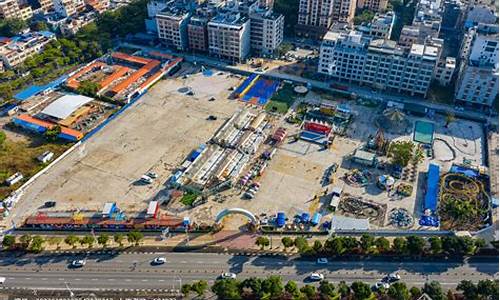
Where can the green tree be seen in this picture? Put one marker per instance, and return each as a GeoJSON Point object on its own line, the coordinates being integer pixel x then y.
{"type": "Point", "coordinates": [3, 137]}
{"type": "Point", "coordinates": [327, 289]}
{"type": "Point", "coordinates": [450, 117]}
{"type": "Point", "coordinates": [40, 26]}
{"type": "Point", "coordinates": [262, 242]}
{"type": "Point", "coordinates": [398, 291]}
{"type": "Point", "coordinates": [118, 238]}
{"type": "Point", "coordinates": [383, 245]}
{"type": "Point", "coordinates": [366, 242]}
{"type": "Point", "coordinates": [317, 246]}
{"type": "Point", "coordinates": [226, 289]}
{"type": "Point", "coordinates": [344, 289]}
{"type": "Point", "coordinates": [25, 240]}
{"type": "Point", "coordinates": [335, 246]}
{"type": "Point", "coordinates": [55, 241]}
{"type": "Point", "coordinates": [488, 289]}
{"type": "Point", "coordinates": [434, 290]}
{"type": "Point", "coordinates": [186, 289]}
{"type": "Point", "coordinates": [8, 241]}
{"type": "Point", "coordinates": [37, 244]}
{"type": "Point", "coordinates": [254, 284]}
{"type": "Point", "coordinates": [292, 288]}
{"type": "Point", "coordinates": [52, 134]}
{"type": "Point", "coordinates": [400, 246]}
{"type": "Point", "coordinates": [71, 240]}
{"type": "Point", "coordinates": [135, 237]}
{"type": "Point", "coordinates": [12, 26]}
{"type": "Point", "coordinates": [309, 291]}
{"type": "Point", "coordinates": [287, 242]}
{"type": "Point", "coordinates": [366, 16]}
{"type": "Point", "coordinates": [401, 152]}
{"type": "Point", "coordinates": [88, 88]}
{"type": "Point", "coordinates": [468, 289]}
{"type": "Point", "coordinates": [88, 240]}
{"type": "Point", "coordinates": [436, 245]}
{"type": "Point", "coordinates": [103, 239]}
{"type": "Point", "coordinates": [199, 287]}
{"type": "Point", "coordinates": [301, 244]}
{"type": "Point", "coordinates": [361, 290]}
{"type": "Point", "coordinates": [415, 245]}
{"type": "Point", "coordinates": [415, 292]}
{"type": "Point", "coordinates": [273, 286]}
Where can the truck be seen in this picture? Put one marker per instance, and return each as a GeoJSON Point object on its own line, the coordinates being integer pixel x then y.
{"type": "Point", "coordinates": [315, 219]}
{"type": "Point", "coordinates": [280, 219]}
{"type": "Point", "coordinates": [336, 194]}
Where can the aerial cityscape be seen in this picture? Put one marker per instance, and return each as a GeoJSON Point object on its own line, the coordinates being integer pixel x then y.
{"type": "Point", "coordinates": [249, 149]}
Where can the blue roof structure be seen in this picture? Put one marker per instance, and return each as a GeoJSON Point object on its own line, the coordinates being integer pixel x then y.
{"type": "Point", "coordinates": [36, 89]}
{"type": "Point", "coordinates": [430, 201]}
{"type": "Point", "coordinates": [465, 171]}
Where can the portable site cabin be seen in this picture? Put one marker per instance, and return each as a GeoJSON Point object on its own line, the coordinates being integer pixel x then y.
{"type": "Point", "coordinates": [109, 209]}
{"type": "Point", "coordinates": [153, 209]}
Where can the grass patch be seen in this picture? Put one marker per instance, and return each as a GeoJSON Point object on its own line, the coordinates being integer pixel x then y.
{"type": "Point", "coordinates": [188, 199]}
{"type": "Point", "coordinates": [282, 100]}
{"type": "Point", "coordinates": [20, 156]}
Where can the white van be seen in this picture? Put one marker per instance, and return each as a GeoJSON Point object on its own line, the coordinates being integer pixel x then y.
{"type": "Point", "coordinates": [146, 179]}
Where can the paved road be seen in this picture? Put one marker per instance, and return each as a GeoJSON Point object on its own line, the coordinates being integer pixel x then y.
{"type": "Point", "coordinates": [134, 271]}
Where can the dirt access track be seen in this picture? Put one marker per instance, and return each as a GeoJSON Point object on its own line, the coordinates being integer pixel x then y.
{"type": "Point", "coordinates": [154, 134]}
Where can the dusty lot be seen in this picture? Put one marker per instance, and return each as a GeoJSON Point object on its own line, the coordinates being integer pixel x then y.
{"type": "Point", "coordinates": [155, 134]}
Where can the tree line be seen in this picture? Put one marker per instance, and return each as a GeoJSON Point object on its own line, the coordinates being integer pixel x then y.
{"type": "Point", "coordinates": [37, 243]}
{"type": "Point", "coordinates": [369, 245]}
{"type": "Point", "coordinates": [59, 56]}
{"type": "Point", "coordinates": [273, 287]}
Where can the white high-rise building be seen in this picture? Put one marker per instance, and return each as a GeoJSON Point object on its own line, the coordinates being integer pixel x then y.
{"type": "Point", "coordinates": [229, 36]}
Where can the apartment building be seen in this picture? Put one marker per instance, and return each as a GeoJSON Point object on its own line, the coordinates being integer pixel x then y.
{"type": "Point", "coordinates": [229, 36]}
{"type": "Point", "coordinates": [380, 27]}
{"type": "Point", "coordinates": [315, 17]}
{"type": "Point", "coordinates": [71, 26]}
{"type": "Point", "coordinates": [382, 64]}
{"type": "Point", "coordinates": [46, 5]}
{"type": "Point", "coordinates": [266, 31]}
{"type": "Point", "coordinates": [12, 9]}
{"type": "Point", "coordinates": [17, 49]}
{"type": "Point", "coordinates": [198, 33]}
{"type": "Point", "coordinates": [477, 83]}
{"type": "Point", "coordinates": [172, 25]}
{"type": "Point", "coordinates": [373, 5]}
{"type": "Point", "coordinates": [428, 17]}
{"type": "Point", "coordinates": [445, 70]}
{"type": "Point", "coordinates": [67, 8]}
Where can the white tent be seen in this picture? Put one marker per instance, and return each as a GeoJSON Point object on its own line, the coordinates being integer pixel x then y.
{"type": "Point", "coordinates": [65, 106]}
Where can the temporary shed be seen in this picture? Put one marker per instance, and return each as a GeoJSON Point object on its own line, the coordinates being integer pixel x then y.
{"type": "Point", "coordinates": [65, 106]}
{"type": "Point", "coordinates": [364, 157]}
{"type": "Point", "coordinates": [430, 201]}
{"type": "Point", "coordinates": [346, 223]}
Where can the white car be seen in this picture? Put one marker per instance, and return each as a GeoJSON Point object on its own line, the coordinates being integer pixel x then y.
{"type": "Point", "coordinates": [316, 276]}
{"type": "Point", "coordinates": [322, 261]}
{"type": "Point", "coordinates": [146, 179]}
{"type": "Point", "coordinates": [380, 285]}
{"type": "Point", "coordinates": [391, 277]}
{"type": "Point", "coordinates": [2, 280]}
{"type": "Point", "coordinates": [78, 263]}
{"type": "Point", "coordinates": [152, 175]}
{"type": "Point", "coordinates": [159, 261]}
{"type": "Point", "coordinates": [228, 275]}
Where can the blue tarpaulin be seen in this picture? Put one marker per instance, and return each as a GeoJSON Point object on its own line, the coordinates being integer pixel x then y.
{"type": "Point", "coordinates": [430, 201]}
{"type": "Point", "coordinates": [465, 171]}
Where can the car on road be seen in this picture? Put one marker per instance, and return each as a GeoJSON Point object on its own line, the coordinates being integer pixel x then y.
{"type": "Point", "coordinates": [322, 261]}
{"type": "Point", "coordinates": [152, 175]}
{"type": "Point", "coordinates": [377, 286]}
{"type": "Point", "coordinates": [212, 118]}
{"type": "Point", "coordinates": [49, 204]}
{"type": "Point", "coordinates": [316, 277]}
{"type": "Point", "coordinates": [2, 280]}
{"type": "Point", "coordinates": [393, 277]}
{"type": "Point", "coordinates": [227, 275]}
{"type": "Point", "coordinates": [78, 263]}
{"type": "Point", "coordinates": [159, 261]}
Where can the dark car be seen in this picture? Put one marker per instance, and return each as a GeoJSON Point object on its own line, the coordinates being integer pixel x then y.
{"type": "Point", "coordinates": [50, 204]}
{"type": "Point", "coordinates": [212, 118]}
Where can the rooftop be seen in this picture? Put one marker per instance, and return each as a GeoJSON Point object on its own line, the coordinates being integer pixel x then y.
{"type": "Point", "coordinates": [64, 106]}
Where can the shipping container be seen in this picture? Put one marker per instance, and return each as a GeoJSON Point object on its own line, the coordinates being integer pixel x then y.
{"type": "Point", "coordinates": [280, 219]}
{"type": "Point", "coordinates": [316, 219]}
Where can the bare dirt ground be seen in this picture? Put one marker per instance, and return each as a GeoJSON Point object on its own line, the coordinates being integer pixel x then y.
{"type": "Point", "coordinates": [155, 134]}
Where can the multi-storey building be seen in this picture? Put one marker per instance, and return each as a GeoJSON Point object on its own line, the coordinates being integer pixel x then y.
{"type": "Point", "coordinates": [477, 83]}
{"type": "Point", "coordinates": [12, 9]}
{"type": "Point", "coordinates": [428, 17]}
{"type": "Point", "coordinates": [315, 17]}
{"type": "Point", "coordinates": [380, 27]}
{"type": "Point", "coordinates": [266, 31]}
{"type": "Point", "coordinates": [409, 36]}
{"type": "Point", "coordinates": [65, 8]}
{"type": "Point", "coordinates": [229, 36]}
{"type": "Point", "coordinates": [373, 5]}
{"type": "Point", "coordinates": [445, 70]}
{"type": "Point", "coordinates": [382, 64]}
{"type": "Point", "coordinates": [16, 50]}
{"type": "Point", "coordinates": [46, 5]}
{"type": "Point", "coordinates": [198, 33]}
{"type": "Point", "coordinates": [172, 25]}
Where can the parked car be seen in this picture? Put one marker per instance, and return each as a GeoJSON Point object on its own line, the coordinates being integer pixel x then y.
{"type": "Point", "coordinates": [146, 179]}
{"type": "Point", "coordinates": [316, 277]}
{"type": "Point", "coordinates": [212, 118]}
{"type": "Point", "coordinates": [152, 175]}
{"type": "Point", "coordinates": [393, 277]}
{"type": "Point", "coordinates": [78, 263]}
{"type": "Point", "coordinates": [379, 285]}
{"type": "Point", "coordinates": [2, 280]}
{"type": "Point", "coordinates": [50, 204]}
{"type": "Point", "coordinates": [227, 275]}
{"type": "Point", "coordinates": [159, 261]}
